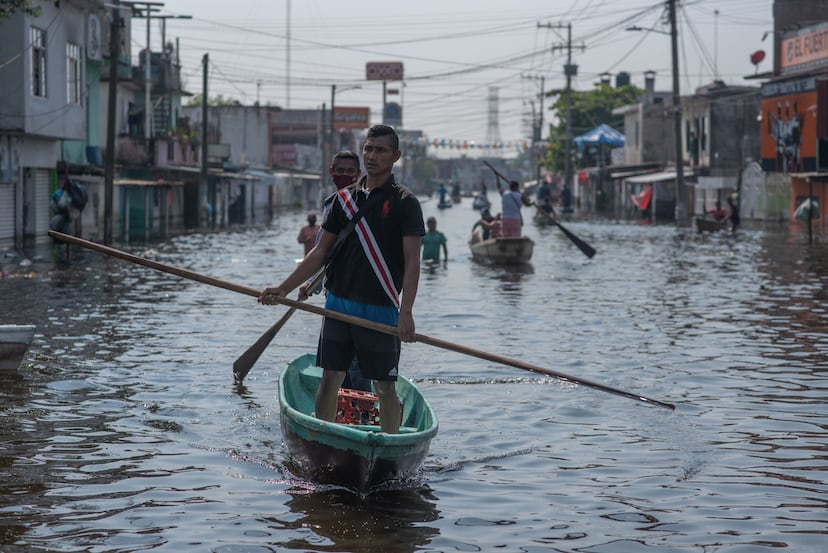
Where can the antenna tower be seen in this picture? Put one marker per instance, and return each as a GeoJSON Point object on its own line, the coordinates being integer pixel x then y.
{"type": "Point", "coordinates": [492, 126]}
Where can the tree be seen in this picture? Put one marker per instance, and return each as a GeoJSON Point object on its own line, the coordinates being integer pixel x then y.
{"type": "Point", "coordinates": [590, 108]}
{"type": "Point", "coordinates": [423, 169]}
{"type": "Point", "coordinates": [214, 101]}
{"type": "Point", "coordinates": [8, 7]}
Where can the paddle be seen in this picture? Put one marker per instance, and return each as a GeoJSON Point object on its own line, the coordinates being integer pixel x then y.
{"type": "Point", "coordinates": [247, 359]}
{"type": "Point", "coordinates": [587, 250]}
{"type": "Point", "coordinates": [184, 273]}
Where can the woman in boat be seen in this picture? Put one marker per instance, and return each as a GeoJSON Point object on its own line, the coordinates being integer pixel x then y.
{"type": "Point", "coordinates": [490, 227]}
{"type": "Point", "coordinates": [484, 224]}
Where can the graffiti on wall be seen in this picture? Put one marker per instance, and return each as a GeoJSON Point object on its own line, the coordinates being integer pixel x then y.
{"type": "Point", "coordinates": [789, 133]}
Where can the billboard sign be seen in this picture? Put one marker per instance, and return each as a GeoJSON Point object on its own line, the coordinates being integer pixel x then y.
{"type": "Point", "coordinates": [384, 71]}
{"type": "Point", "coordinates": [806, 51]}
{"type": "Point", "coordinates": [392, 114]}
{"type": "Point", "coordinates": [351, 118]}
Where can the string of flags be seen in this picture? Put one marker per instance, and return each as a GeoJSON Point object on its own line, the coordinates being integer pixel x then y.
{"type": "Point", "coordinates": [454, 144]}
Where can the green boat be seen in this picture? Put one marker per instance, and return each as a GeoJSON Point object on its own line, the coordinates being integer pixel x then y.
{"type": "Point", "coordinates": [357, 456]}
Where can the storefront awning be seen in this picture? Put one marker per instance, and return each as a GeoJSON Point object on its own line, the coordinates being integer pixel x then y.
{"type": "Point", "coordinates": [652, 177]}
{"type": "Point", "coordinates": [142, 182]}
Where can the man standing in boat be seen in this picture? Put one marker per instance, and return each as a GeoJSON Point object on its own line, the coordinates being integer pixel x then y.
{"type": "Point", "coordinates": [373, 273]}
{"type": "Point", "coordinates": [344, 171]}
{"type": "Point", "coordinates": [513, 200]}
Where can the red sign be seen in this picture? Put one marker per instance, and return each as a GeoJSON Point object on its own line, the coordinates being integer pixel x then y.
{"type": "Point", "coordinates": [757, 57]}
{"type": "Point", "coordinates": [384, 71]}
{"type": "Point", "coordinates": [285, 155]}
{"type": "Point", "coordinates": [349, 118]}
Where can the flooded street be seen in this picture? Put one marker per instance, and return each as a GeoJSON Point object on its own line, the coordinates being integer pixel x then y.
{"type": "Point", "coordinates": [123, 431]}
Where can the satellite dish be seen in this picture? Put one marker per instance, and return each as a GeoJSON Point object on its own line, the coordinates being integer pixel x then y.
{"type": "Point", "coordinates": [757, 57]}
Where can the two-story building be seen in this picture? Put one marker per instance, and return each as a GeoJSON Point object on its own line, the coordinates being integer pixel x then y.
{"type": "Point", "coordinates": [794, 111]}
{"type": "Point", "coordinates": [720, 137]}
{"type": "Point", "coordinates": [649, 147]}
{"type": "Point", "coordinates": [48, 64]}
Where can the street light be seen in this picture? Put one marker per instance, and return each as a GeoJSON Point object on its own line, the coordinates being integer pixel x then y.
{"type": "Point", "coordinates": [333, 109]}
{"type": "Point", "coordinates": [145, 10]}
{"type": "Point", "coordinates": [648, 29]}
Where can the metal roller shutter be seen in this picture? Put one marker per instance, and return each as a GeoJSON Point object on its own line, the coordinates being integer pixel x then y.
{"type": "Point", "coordinates": [42, 203]}
{"type": "Point", "coordinates": [6, 213]}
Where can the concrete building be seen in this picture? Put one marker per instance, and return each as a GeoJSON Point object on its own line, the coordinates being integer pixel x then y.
{"type": "Point", "coordinates": [47, 63]}
{"type": "Point", "coordinates": [720, 138]}
{"type": "Point", "coordinates": [648, 126]}
{"type": "Point", "coordinates": [794, 110]}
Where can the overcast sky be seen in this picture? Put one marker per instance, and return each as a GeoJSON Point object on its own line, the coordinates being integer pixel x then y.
{"type": "Point", "coordinates": [453, 51]}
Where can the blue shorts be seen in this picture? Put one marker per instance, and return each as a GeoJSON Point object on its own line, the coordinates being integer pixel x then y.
{"type": "Point", "coordinates": [377, 353]}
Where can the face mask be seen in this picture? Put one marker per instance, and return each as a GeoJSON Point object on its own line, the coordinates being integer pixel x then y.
{"type": "Point", "coordinates": [341, 181]}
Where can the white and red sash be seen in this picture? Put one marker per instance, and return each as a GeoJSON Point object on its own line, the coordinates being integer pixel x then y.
{"type": "Point", "coordinates": [370, 246]}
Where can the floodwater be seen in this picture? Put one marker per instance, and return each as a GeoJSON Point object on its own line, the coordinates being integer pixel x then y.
{"type": "Point", "coordinates": [123, 431]}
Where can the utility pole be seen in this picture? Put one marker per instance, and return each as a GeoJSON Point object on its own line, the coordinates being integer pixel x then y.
{"type": "Point", "coordinates": [144, 10]}
{"type": "Point", "coordinates": [331, 145]}
{"type": "Point", "coordinates": [537, 128]}
{"type": "Point", "coordinates": [384, 100]}
{"type": "Point", "coordinates": [148, 84]}
{"type": "Point", "coordinates": [681, 207]}
{"type": "Point", "coordinates": [287, 57]}
{"type": "Point", "coordinates": [168, 73]}
{"type": "Point", "coordinates": [111, 111]}
{"type": "Point", "coordinates": [570, 70]}
{"type": "Point", "coordinates": [210, 186]}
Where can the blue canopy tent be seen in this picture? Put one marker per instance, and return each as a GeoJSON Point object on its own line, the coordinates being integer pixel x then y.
{"type": "Point", "coordinates": [602, 134]}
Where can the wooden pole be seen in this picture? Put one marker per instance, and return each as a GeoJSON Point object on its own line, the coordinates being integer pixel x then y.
{"type": "Point", "coordinates": [436, 342]}
{"type": "Point", "coordinates": [111, 113]}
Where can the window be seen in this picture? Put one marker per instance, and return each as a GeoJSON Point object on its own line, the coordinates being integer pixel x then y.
{"type": "Point", "coordinates": [73, 74]}
{"type": "Point", "coordinates": [38, 41]}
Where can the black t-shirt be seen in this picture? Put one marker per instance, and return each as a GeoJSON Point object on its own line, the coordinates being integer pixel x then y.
{"type": "Point", "coordinates": [395, 215]}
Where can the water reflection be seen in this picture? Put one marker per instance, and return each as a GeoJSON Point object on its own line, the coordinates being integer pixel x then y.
{"type": "Point", "coordinates": [383, 521]}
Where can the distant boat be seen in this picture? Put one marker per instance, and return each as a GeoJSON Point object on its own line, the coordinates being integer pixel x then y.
{"type": "Point", "coordinates": [710, 225]}
{"type": "Point", "coordinates": [481, 202]}
{"type": "Point", "coordinates": [14, 341]}
{"type": "Point", "coordinates": [445, 204]}
{"type": "Point", "coordinates": [501, 250]}
{"type": "Point", "coordinates": [543, 219]}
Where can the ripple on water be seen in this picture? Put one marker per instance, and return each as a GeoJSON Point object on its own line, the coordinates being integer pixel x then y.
{"type": "Point", "coordinates": [124, 431]}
